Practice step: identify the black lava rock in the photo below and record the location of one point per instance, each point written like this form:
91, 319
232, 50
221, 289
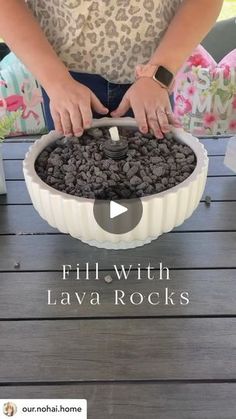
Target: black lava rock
79, 166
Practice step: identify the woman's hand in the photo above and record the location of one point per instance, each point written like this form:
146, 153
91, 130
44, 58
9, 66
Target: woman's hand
71, 105
151, 107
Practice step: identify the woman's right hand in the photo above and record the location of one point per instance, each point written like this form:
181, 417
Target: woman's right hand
71, 105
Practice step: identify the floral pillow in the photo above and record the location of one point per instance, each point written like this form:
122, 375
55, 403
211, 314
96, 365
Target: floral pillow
19, 91
205, 94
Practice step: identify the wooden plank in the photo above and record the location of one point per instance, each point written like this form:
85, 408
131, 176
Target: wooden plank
208, 294
182, 250
217, 167
139, 401
22, 139
215, 147
23, 219
17, 150
219, 188
16, 193
13, 168
219, 216
122, 349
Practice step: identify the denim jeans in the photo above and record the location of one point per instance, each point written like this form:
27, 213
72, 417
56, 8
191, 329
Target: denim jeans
110, 94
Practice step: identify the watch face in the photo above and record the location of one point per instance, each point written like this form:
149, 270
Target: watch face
164, 76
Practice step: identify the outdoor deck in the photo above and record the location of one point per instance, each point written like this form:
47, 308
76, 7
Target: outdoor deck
145, 362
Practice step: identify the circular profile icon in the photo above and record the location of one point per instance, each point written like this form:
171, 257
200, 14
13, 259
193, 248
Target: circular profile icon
9, 409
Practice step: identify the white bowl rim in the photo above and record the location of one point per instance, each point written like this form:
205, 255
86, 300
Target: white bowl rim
126, 122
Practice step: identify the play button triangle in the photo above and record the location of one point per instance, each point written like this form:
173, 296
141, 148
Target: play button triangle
116, 209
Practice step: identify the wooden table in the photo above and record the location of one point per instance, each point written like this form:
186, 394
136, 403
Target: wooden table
148, 362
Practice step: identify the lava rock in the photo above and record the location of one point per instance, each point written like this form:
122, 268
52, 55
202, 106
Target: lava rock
158, 171
78, 166
135, 180
132, 171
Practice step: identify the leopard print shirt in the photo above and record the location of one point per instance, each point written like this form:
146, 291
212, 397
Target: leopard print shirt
106, 37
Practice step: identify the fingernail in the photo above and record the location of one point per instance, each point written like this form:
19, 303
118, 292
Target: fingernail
87, 125
144, 130
159, 135
166, 128
78, 133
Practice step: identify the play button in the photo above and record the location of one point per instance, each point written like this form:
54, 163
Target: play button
116, 209
118, 217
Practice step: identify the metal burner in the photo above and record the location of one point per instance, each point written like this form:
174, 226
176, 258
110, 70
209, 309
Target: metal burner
115, 148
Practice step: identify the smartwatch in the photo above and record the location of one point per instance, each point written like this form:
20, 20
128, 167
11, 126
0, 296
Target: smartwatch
163, 76
159, 73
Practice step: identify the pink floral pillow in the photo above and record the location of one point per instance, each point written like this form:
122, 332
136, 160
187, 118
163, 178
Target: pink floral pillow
205, 94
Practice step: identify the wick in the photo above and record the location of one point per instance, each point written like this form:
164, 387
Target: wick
114, 133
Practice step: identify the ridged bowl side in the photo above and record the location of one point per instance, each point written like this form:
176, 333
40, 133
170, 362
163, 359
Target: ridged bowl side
74, 215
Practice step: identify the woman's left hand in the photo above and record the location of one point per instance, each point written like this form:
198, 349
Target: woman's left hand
151, 107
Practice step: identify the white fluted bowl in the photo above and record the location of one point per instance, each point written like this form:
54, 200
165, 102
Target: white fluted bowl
74, 215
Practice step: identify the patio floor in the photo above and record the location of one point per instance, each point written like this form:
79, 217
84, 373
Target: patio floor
131, 362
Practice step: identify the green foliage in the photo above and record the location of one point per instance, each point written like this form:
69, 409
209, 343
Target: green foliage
228, 10
7, 123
